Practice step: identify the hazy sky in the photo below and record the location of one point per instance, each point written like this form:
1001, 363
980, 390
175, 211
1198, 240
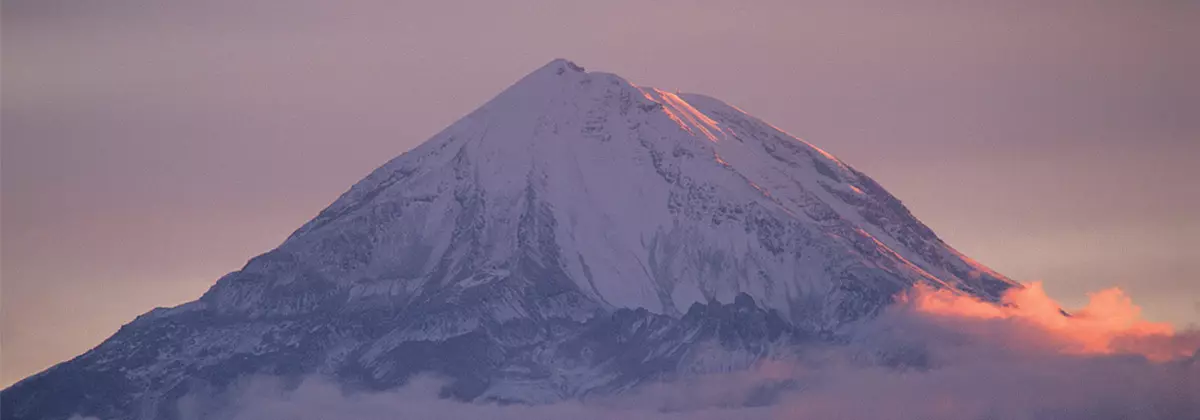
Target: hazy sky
150, 147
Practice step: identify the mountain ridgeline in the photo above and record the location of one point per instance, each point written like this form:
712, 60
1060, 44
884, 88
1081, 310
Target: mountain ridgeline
575, 235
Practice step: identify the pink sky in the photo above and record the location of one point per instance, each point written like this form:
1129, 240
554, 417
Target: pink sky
150, 148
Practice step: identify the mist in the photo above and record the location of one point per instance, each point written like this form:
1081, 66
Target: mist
935, 354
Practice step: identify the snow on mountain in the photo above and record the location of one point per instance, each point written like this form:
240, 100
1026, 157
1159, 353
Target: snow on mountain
575, 234
640, 197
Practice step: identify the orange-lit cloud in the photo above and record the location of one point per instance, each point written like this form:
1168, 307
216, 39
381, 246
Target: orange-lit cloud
1110, 323
936, 355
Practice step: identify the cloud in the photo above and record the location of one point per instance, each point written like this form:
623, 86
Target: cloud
933, 355
1028, 318
267, 398
943, 355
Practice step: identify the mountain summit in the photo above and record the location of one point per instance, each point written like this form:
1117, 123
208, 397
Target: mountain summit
576, 234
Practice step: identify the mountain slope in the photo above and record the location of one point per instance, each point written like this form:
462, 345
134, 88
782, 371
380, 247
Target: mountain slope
632, 196
575, 234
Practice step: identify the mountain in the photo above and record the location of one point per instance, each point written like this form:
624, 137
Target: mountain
577, 234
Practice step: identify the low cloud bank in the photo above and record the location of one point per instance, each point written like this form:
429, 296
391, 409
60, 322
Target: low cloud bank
933, 355
1029, 319
942, 355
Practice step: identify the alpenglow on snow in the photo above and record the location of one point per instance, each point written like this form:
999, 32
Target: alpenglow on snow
577, 234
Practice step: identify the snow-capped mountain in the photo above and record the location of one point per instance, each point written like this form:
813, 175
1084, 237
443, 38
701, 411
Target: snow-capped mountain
576, 234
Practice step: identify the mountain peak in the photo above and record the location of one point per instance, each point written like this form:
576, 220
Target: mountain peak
562, 64
630, 196
555, 72
574, 223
